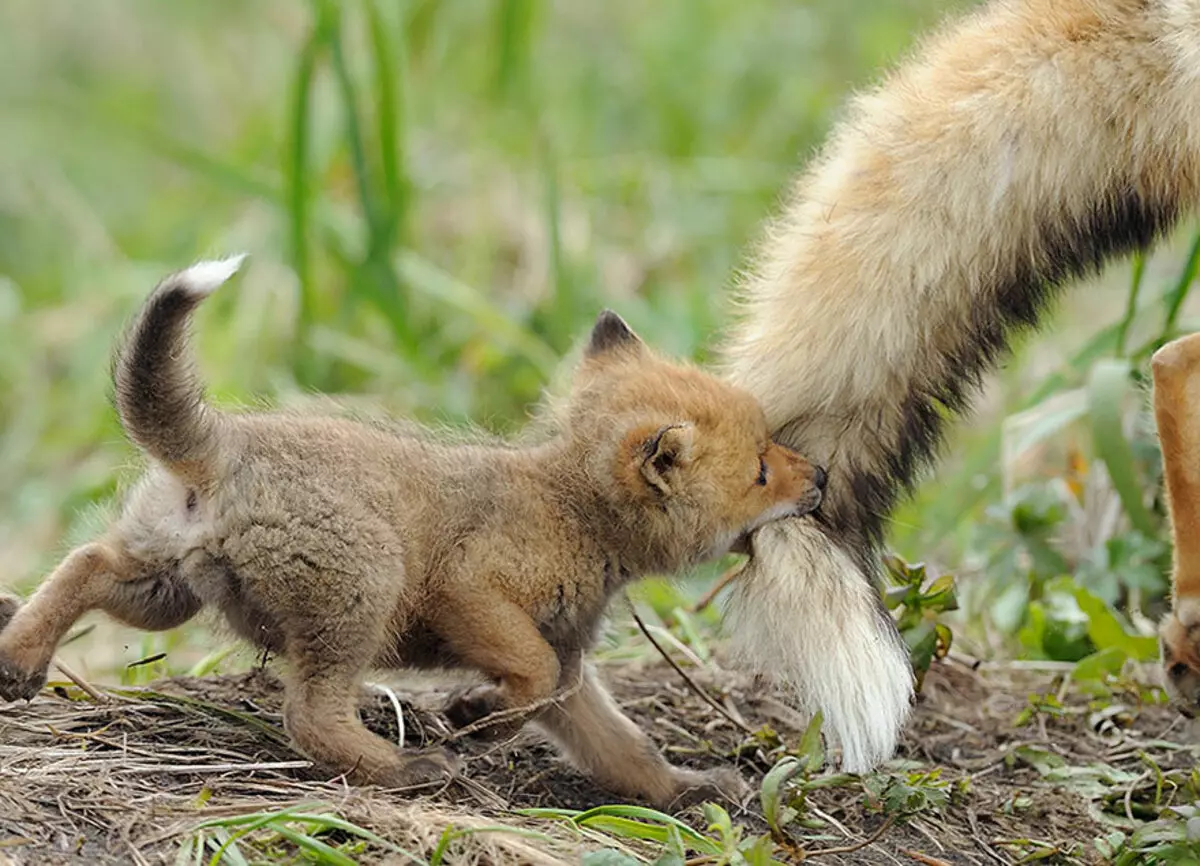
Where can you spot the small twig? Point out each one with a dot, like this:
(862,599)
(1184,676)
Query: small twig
(916,825)
(83,684)
(76,635)
(214,768)
(690,682)
(683,648)
(391,696)
(124,748)
(969,662)
(148,660)
(1129,794)
(485,794)
(723,581)
(857,846)
(924,858)
(496,718)
(825,816)
(678,729)
(973,821)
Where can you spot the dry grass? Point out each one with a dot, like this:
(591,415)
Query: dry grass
(138,776)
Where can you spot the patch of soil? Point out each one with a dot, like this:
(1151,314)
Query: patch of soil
(125,779)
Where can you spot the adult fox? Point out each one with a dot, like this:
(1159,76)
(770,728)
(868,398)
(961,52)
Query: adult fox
(1018,149)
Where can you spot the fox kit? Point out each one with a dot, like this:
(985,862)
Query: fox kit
(1020,148)
(1176,373)
(346,547)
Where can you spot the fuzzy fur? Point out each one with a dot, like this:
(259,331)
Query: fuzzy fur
(1020,148)
(345,546)
(1176,373)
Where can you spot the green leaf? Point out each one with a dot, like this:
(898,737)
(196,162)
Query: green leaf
(770,795)
(1106,631)
(811,749)
(1100,665)
(1040,759)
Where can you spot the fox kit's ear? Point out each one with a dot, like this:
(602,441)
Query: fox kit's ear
(662,453)
(609,334)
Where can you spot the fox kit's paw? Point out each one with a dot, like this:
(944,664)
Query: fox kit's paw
(413,770)
(1179,639)
(424,768)
(471,705)
(694,786)
(18,683)
(8,608)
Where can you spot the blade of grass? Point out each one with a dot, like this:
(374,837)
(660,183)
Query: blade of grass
(1135,288)
(209,663)
(298,193)
(452,833)
(228,850)
(321,821)
(514,27)
(1182,288)
(390,79)
(425,277)
(207,709)
(353,125)
(620,820)
(320,851)
(376,273)
(1107,386)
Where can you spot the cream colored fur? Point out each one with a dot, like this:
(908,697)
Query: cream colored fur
(1019,148)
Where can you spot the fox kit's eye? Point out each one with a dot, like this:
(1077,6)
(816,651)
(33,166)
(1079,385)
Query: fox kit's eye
(761,481)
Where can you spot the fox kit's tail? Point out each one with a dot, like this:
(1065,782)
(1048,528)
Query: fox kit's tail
(159,398)
(1021,148)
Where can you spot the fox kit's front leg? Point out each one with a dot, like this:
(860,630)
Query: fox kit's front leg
(605,743)
(1176,370)
(497,638)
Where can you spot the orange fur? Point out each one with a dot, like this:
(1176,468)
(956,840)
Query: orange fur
(1176,372)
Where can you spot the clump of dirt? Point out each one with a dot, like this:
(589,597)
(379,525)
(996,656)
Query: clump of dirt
(127,778)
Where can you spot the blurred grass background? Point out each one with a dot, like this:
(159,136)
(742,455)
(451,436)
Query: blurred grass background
(438,197)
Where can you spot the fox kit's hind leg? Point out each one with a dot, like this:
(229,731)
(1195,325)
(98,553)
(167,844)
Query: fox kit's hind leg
(335,624)
(1176,370)
(605,743)
(321,716)
(98,575)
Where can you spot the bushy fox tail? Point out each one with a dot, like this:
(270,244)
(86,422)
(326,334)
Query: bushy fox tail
(159,397)
(1019,149)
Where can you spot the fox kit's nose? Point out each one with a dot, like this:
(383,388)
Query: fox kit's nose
(819,477)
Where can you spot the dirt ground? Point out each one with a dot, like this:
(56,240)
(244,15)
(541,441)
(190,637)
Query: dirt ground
(125,779)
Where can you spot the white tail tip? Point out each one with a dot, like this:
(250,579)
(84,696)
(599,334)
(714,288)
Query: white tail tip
(203,278)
